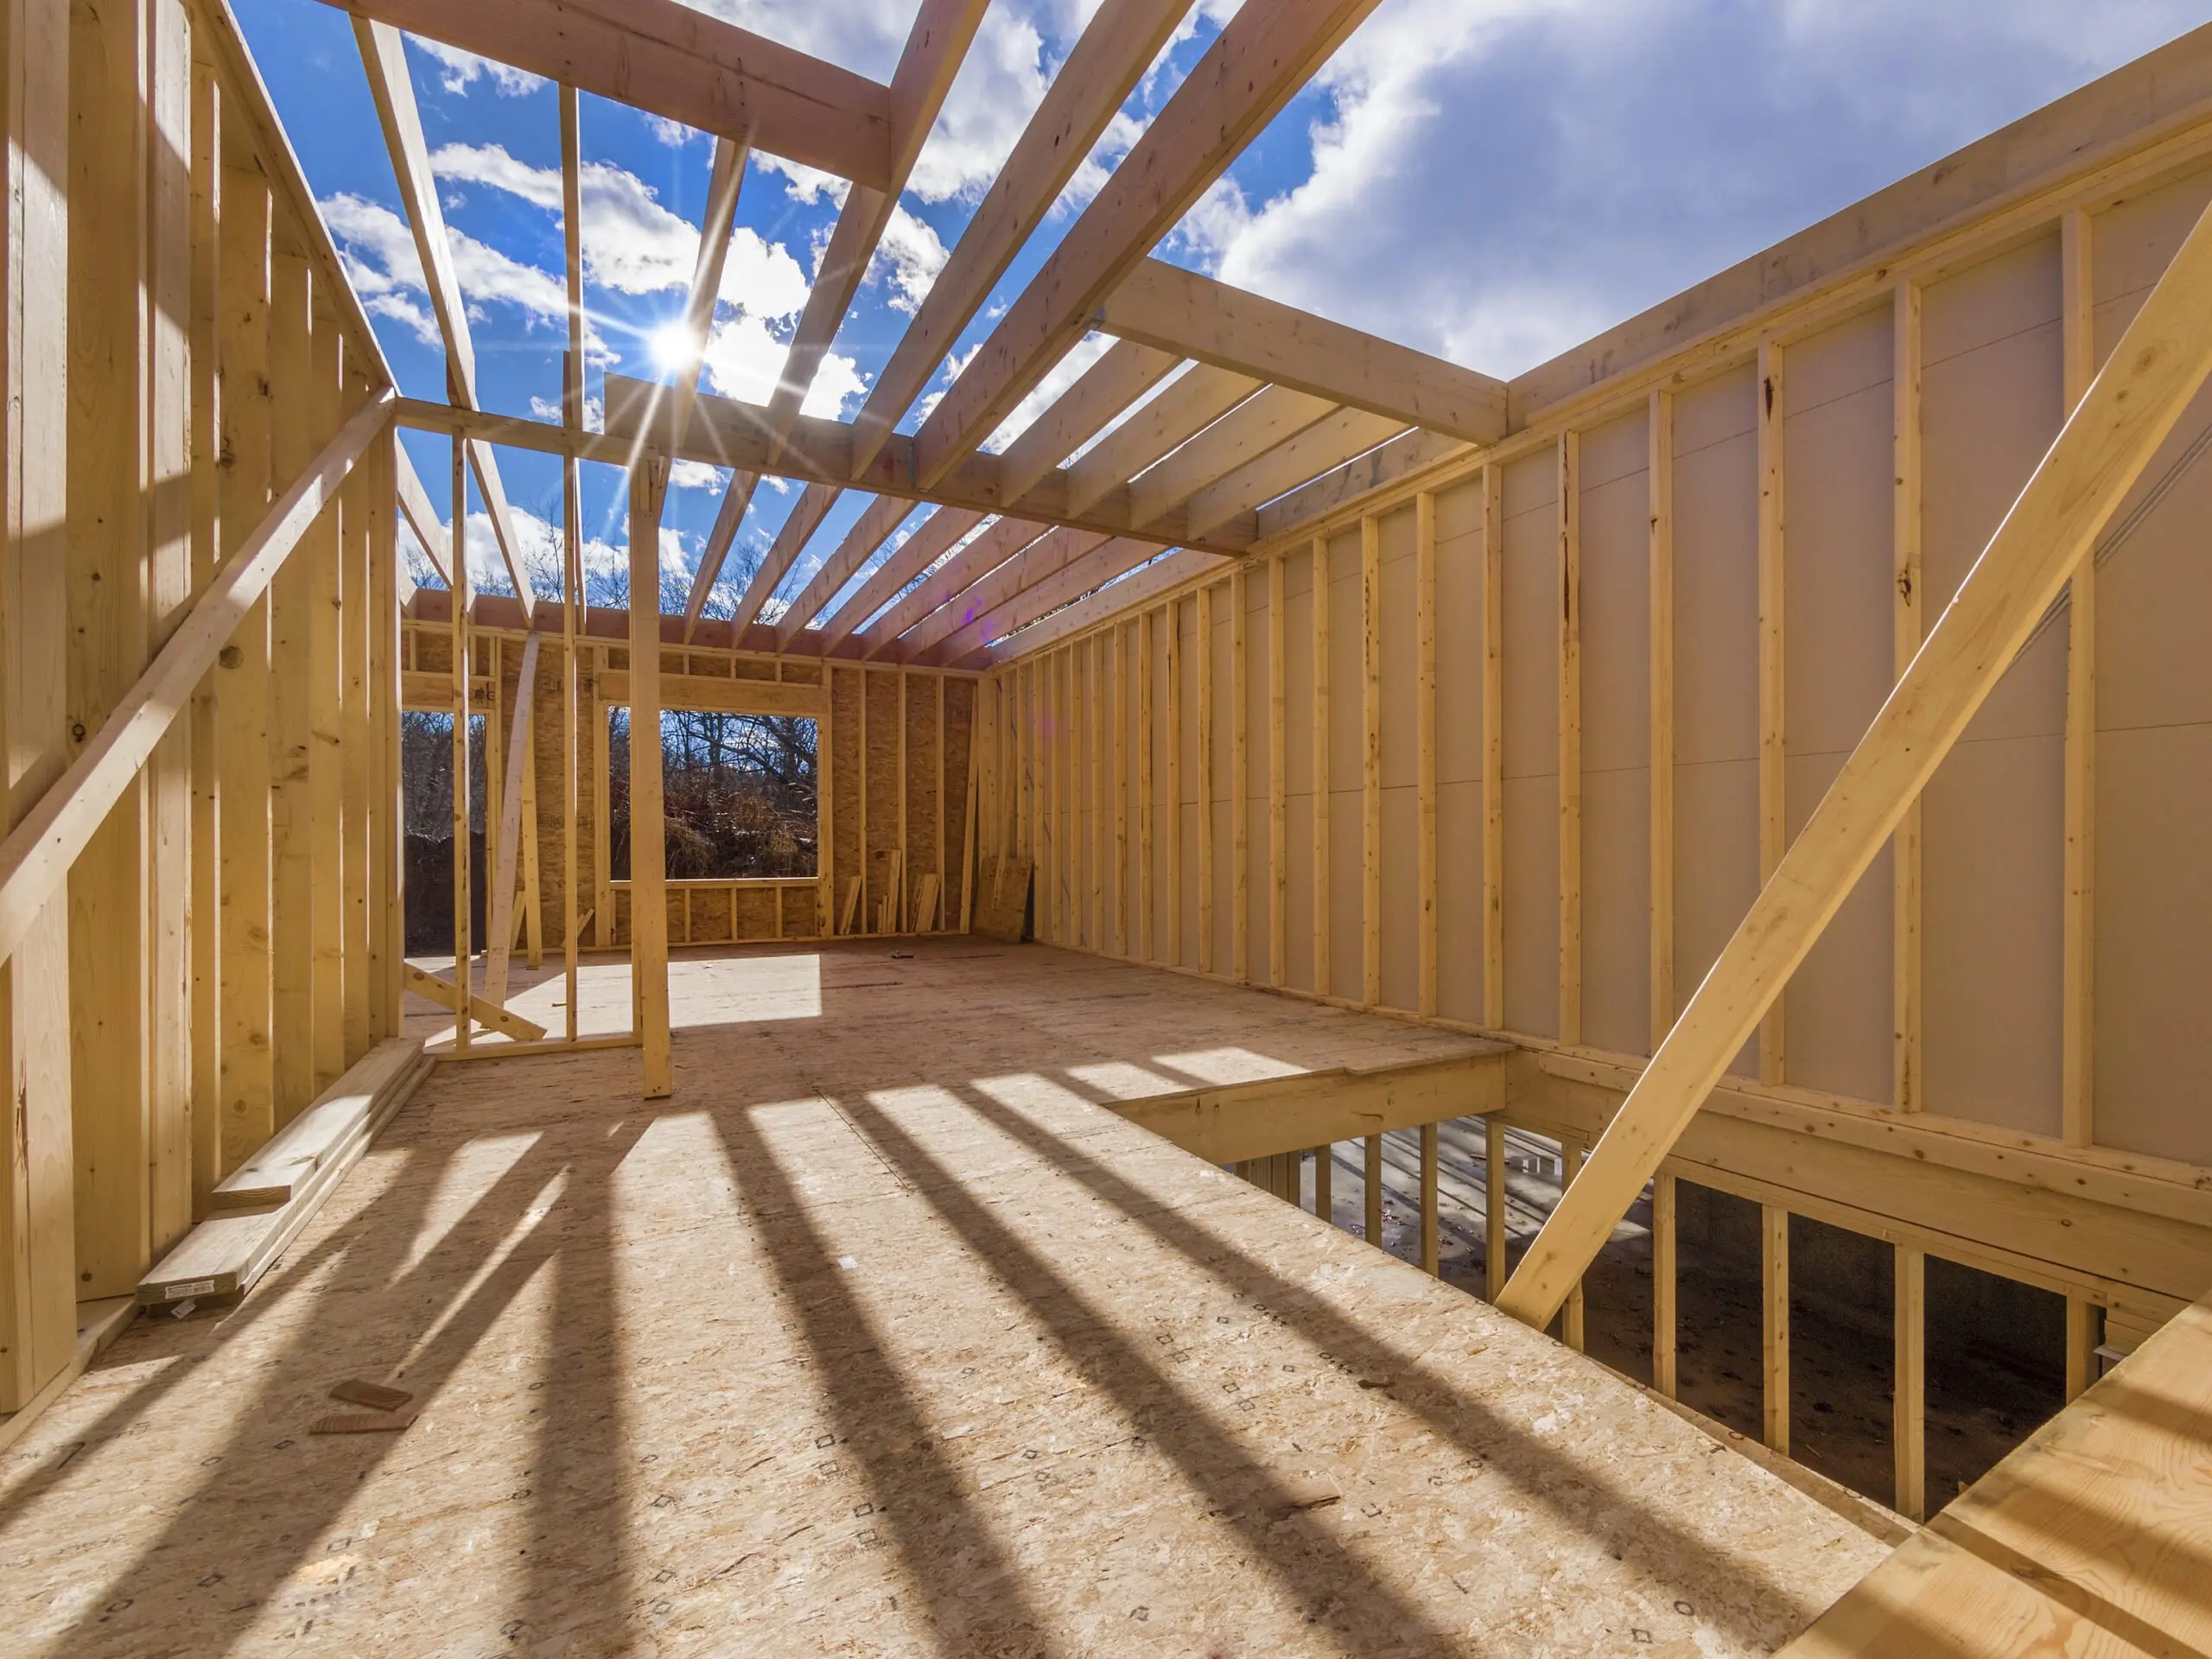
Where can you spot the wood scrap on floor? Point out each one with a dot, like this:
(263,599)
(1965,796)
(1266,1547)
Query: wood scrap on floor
(1002,897)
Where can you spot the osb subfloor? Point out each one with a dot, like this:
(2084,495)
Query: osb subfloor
(880,1337)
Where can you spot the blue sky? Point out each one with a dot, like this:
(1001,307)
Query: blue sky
(1491,180)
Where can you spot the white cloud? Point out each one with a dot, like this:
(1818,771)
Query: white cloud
(912,255)
(743,360)
(803,183)
(696,475)
(1498,182)
(1000,83)
(460,70)
(674,134)
(549,409)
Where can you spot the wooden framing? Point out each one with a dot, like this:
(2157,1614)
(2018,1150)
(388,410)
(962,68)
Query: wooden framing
(1203,640)
(1569,612)
(648,848)
(1774,1324)
(1278,806)
(1906,355)
(1660,418)
(1322,927)
(1493,758)
(1370,761)
(1772,415)
(1425,743)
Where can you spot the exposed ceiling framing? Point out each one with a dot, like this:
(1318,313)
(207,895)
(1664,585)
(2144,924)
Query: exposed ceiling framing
(1217,417)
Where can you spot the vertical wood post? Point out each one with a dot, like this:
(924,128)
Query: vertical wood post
(1906,540)
(1496,1237)
(1240,791)
(1277,816)
(1371,760)
(1663,1285)
(1173,615)
(463,943)
(1324,1200)
(1096,706)
(1569,609)
(2077,1062)
(1205,786)
(1493,851)
(1661,427)
(1572,1324)
(1373,1193)
(206,150)
(648,829)
(1908,1431)
(1147,928)
(1120,759)
(1425,737)
(1774,1326)
(1323,982)
(292,665)
(320,552)
(1774,839)
(1429,1242)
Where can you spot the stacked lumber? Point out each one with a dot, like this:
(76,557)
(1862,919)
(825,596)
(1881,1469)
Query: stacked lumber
(262,1205)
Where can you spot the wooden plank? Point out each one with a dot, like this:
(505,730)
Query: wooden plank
(1425,740)
(1057,605)
(1109,385)
(1203,640)
(279,1170)
(1115,48)
(930,542)
(1323,983)
(1371,1188)
(1191,314)
(493,1016)
(2157,368)
(1664,1284)
(870,530)
(359,616)
(1240,789)
(1324,1200)
(1905,609)
(1774,838)
(1182,410)
(205,147)
(1148,916)
(2077,995)
(1269,419)
(1117,650)
(806,517)
(677,63)
(1370,761)
(38,1274)
(384,59)
(1172,659)
(1277,805)
(1428,1216)
(648,827)
(979,558)
(457,645)
(1568,610)
(716,695)
(1908,1406)
(1126,593)
(291,732)
(318,555)
(1660,418)
(1572,1328)
(103,550)
(1493,716)
(1019,591)
(1253,68)
(941,877)
(1496,1236)
(522,761)
(1774,1322)
(1096,709)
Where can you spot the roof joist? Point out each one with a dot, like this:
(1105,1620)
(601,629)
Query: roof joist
(1253,68)
(671,60)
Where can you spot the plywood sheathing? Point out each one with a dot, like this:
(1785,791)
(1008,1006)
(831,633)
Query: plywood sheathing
(880,1335)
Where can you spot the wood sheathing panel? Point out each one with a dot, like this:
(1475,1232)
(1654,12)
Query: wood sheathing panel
(1531,724)
(880,766)
(1302,1442)
(1346,802)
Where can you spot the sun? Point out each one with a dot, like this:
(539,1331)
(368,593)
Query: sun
(673,346)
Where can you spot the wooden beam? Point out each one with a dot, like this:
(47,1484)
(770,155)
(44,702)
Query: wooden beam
(1572,1328)
(672,60)
(2157,368)
(806,516)
(423,518)
(1567,608)
(1270,417)
(1159,576)
(447,995)
(1094,706)
(1116,47)
(870,530)
(964,623)
(1194,402)
(1429,1230)
(1660,437)
(1172,649)
(648,824)
(1253,67)
(2078,996)
(1496,1236)
(1335,438)
(1773,587)
(1124,374)
(930,542)
(1372,1184)
(1909,1392)
(1664,1285)
(522,762)
(1191,314)
(1119,651)
(970,564)
(1278,801)
(46,840)
(384,58)
(1324,983)
(1148,916)
(1493,760)
(1202,640)
(1371,760)
(463,683)
(1905,613)
(1240,788)
(1425,744)
(1774,1322)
